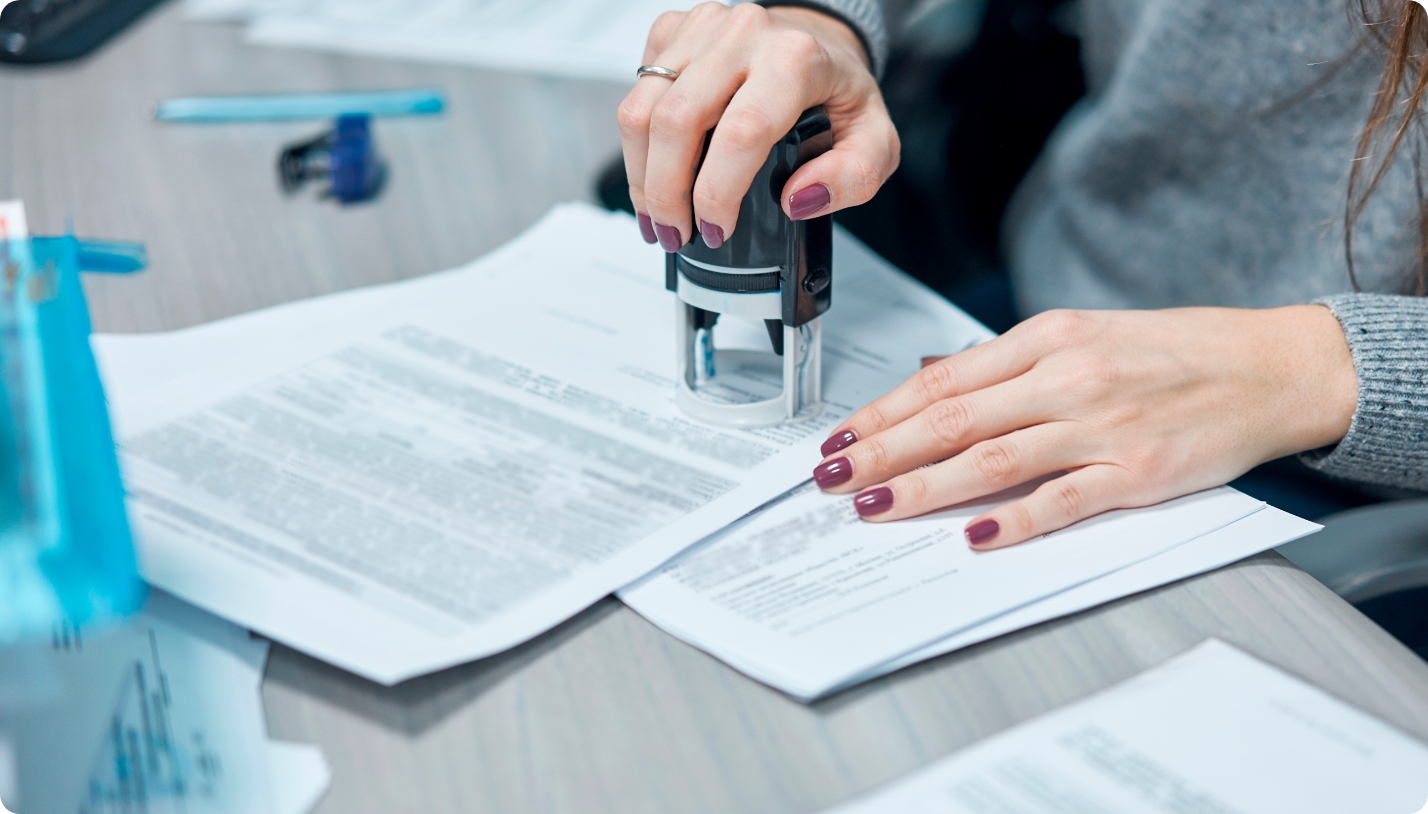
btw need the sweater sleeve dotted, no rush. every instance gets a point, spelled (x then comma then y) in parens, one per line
(1387, 442)
(865, 17)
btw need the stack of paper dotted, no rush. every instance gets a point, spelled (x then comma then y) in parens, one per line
(589, 39)
(1213, 731)
(806, 597)
(413, 476)
(162, 714)
(409, 478)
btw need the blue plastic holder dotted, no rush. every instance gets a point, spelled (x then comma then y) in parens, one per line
(66, 553)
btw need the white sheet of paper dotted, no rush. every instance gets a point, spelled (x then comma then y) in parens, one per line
(299, 776)
(134, 364)
(235, 11)
(1213, 731)
(439, 482)
(807, 597)
(168, 701)
(1265, 529)
(586, 39)
(13, 223)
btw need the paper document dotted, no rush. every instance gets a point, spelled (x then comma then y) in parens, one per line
(807, 597)
(161, 714)
(235, 11)
(587, 39)
(1265, 529)
(299, 776)
(1213, 731)
(481, 460)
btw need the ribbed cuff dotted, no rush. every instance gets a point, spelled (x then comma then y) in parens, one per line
(1388, 440)
(865, 17)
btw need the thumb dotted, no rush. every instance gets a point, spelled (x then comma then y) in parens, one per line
(862, 159)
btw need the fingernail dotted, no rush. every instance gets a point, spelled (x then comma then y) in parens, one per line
(873, 501)
(713, 235)
(809, 201)
(646, 227)
(842, 440)
(668, 237)
(983, 532)
(836, 471)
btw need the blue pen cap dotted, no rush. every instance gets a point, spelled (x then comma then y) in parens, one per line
(66, 554)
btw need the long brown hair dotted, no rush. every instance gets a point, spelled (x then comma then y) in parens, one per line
(1400, 27)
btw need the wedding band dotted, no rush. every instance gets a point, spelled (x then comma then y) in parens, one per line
(655, 70)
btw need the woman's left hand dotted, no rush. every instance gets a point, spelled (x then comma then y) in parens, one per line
(1134, 407)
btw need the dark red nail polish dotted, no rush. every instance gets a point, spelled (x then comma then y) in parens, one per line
(842, 440)
(646, 227)
(809, 201)
(713, 235)
(873, 501)
(983, 532)
(836, 471)
(669, 239)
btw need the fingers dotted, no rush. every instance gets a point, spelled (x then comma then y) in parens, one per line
(865, 155)
(793, 75)
(1002, 359)
(942, 430)
(746, 116)
(674, 40)
(661, 34)
(865, 152)
(976, 368)
(746, 73)
(1056, 504)
(984, 469)
(634, 120)
(1080, 494)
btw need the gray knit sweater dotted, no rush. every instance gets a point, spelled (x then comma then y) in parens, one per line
(1208, 166)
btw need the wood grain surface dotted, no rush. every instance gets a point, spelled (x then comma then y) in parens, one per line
(605, 713)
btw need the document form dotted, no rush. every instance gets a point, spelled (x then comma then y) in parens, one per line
(235, 11)
(1214, 731)
(808, 598)
(160, 714)
(459, 473)
(1265, 529)
(584, 39)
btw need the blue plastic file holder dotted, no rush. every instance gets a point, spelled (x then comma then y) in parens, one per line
(66, 553)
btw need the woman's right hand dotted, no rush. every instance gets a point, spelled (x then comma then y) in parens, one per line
(748, 73)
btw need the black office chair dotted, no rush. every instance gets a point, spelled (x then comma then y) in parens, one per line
(1375, 557)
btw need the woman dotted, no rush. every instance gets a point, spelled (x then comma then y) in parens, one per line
(1211, 171)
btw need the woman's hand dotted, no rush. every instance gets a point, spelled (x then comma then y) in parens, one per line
(747, 73)
(1135, 407)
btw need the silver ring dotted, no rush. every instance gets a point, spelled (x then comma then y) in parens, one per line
(655, 70)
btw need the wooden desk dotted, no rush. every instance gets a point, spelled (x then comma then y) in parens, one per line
(605, 713)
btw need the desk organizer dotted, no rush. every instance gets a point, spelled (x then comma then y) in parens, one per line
(66, 554)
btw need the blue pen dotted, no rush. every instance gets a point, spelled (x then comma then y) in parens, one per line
(287, 106)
